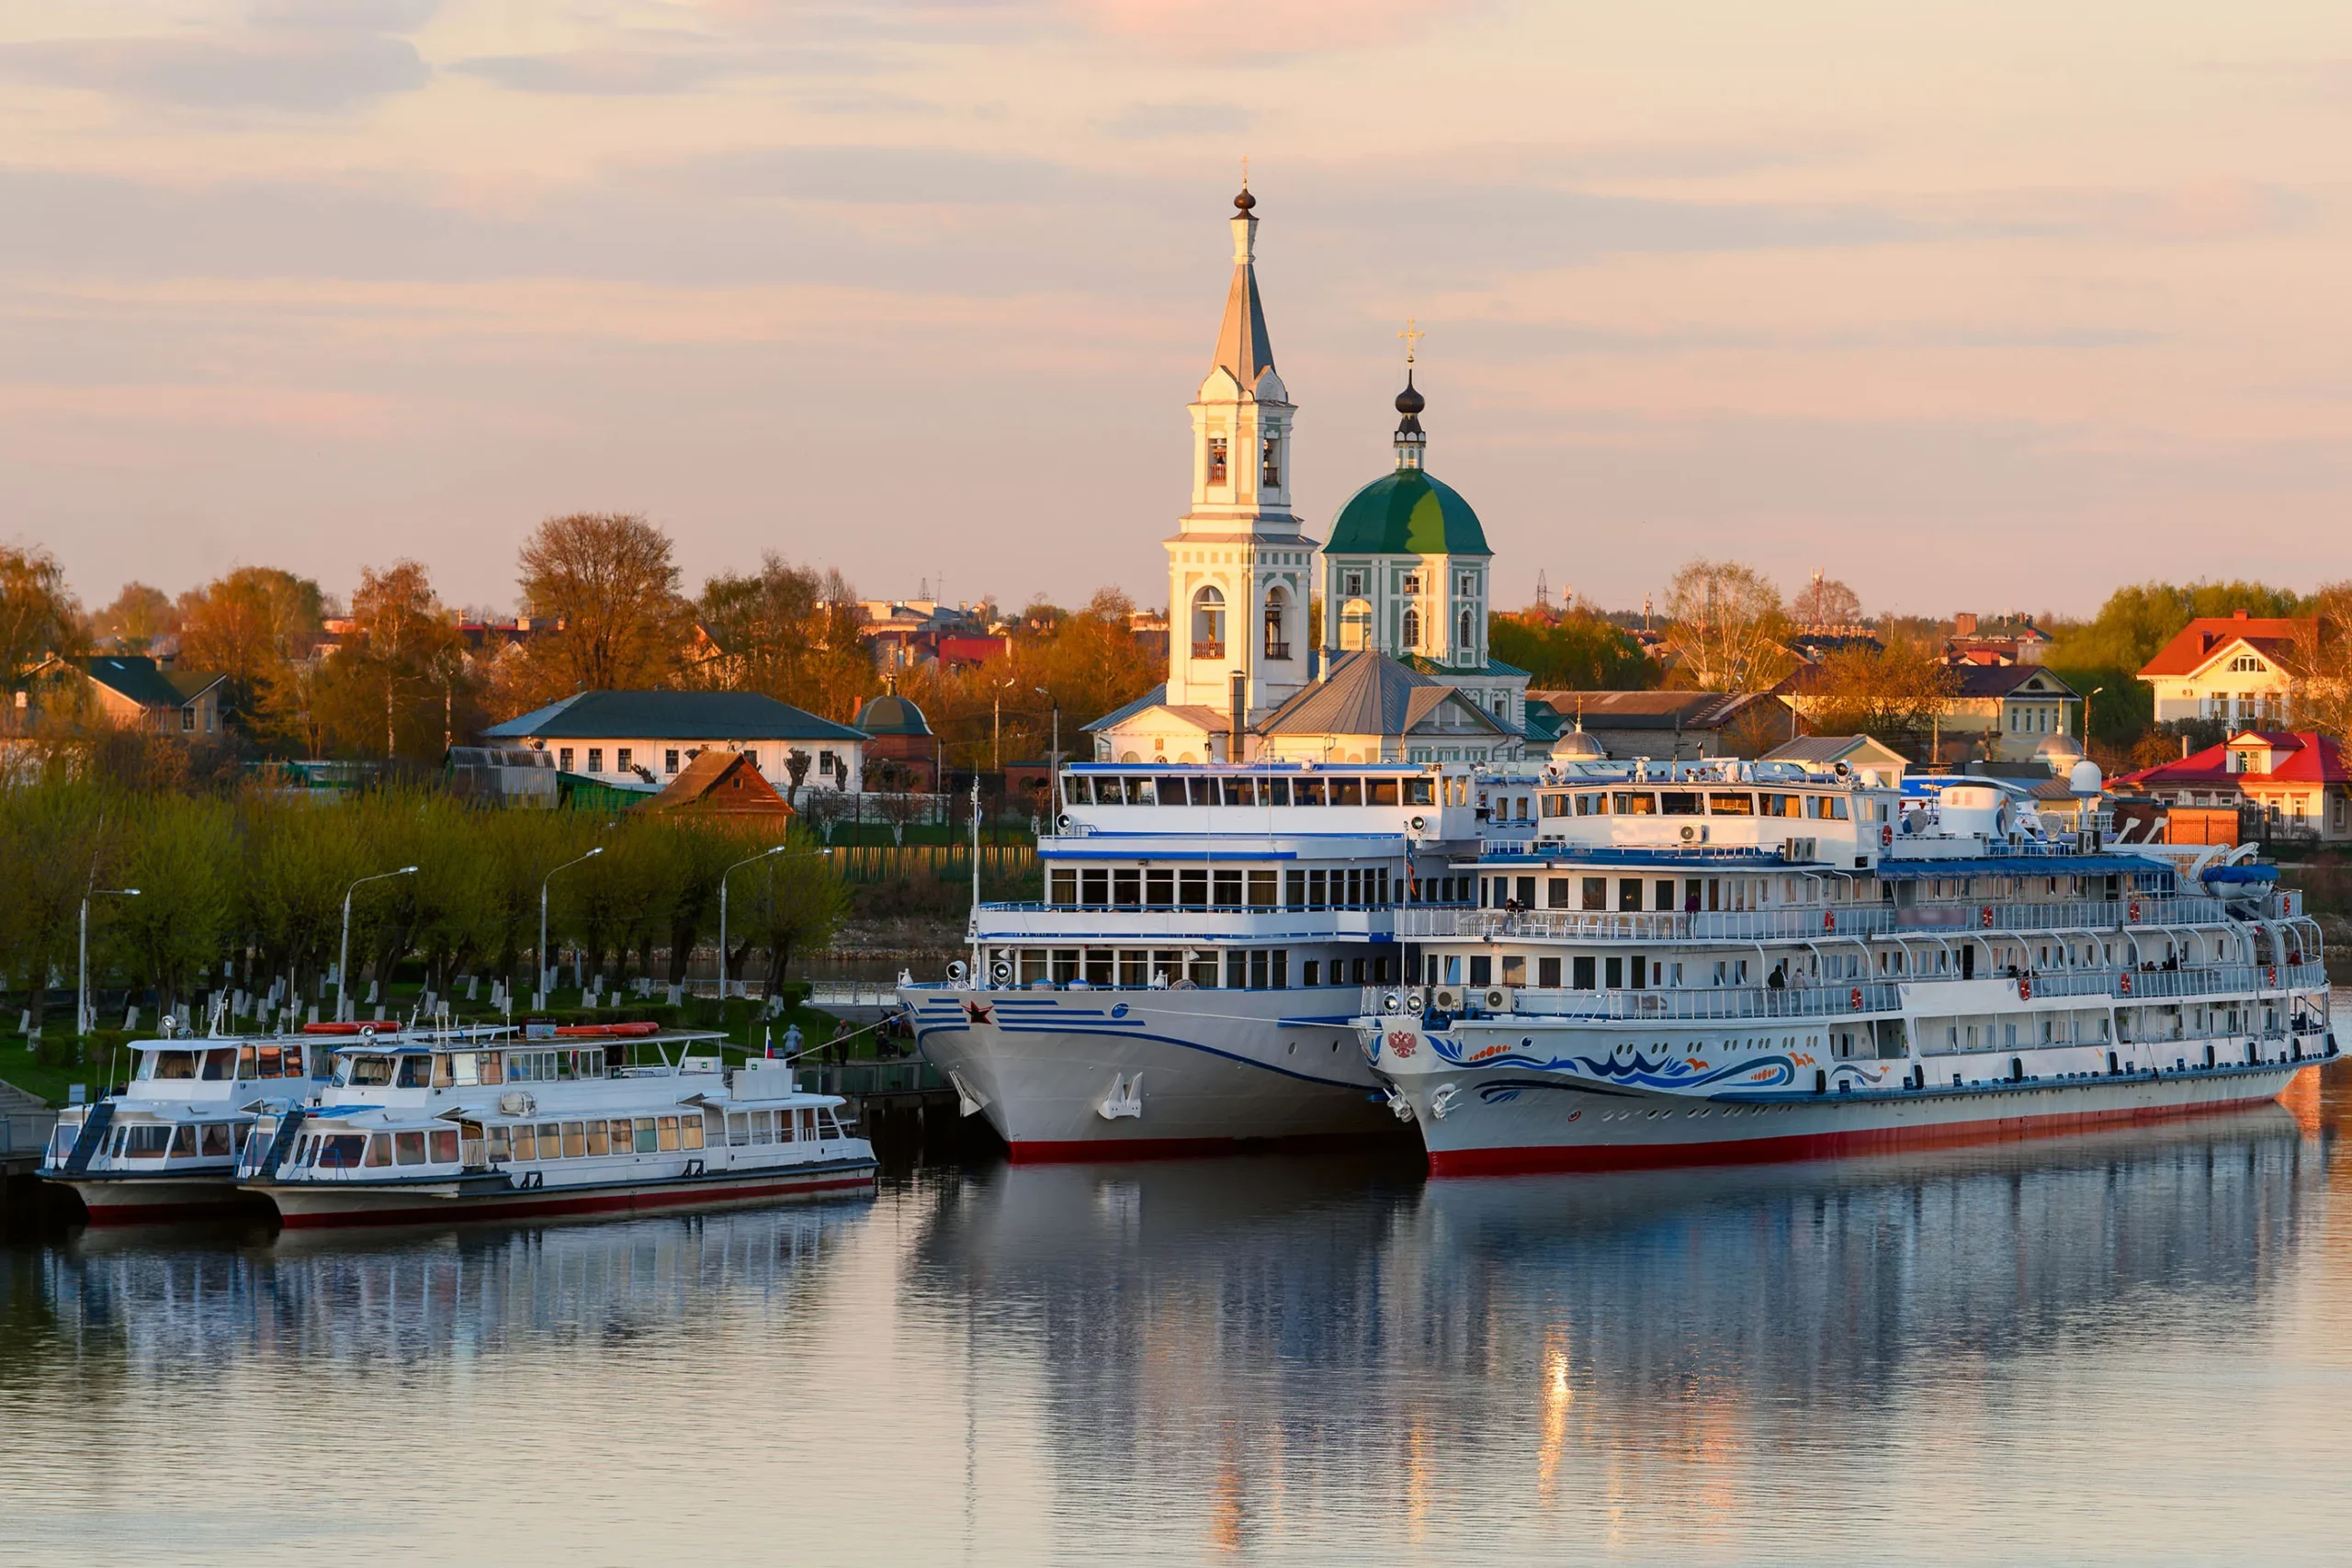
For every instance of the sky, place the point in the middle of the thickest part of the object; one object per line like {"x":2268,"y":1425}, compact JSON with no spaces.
{"x":1973,"y":306}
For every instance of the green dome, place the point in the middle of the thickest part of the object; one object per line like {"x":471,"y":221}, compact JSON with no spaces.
{"x":892,"y":714}
{"x":1408,"y":514}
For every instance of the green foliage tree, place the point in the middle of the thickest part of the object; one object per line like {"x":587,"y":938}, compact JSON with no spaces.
{"x":37,"y":614}
{"x":2138,"y":620}
{"x":60,"y":837}
{"x":182,"y":856}
{"x":1576,"y":652}
{"x":789,"y":632}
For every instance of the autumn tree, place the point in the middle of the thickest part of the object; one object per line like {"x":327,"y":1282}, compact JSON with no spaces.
{"x":249,"y":625}
{"x":609,"y":582}
{"x":139,"y":615}
{"x":1893,"y":693}
{"x":37,"y":614}
{"x":1728,"y":628}
{"x":788,"y":632}
{"x":396,"y":688}
{"x":2319,"y":666}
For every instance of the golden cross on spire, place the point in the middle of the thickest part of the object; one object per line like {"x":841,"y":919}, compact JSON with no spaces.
{"x":1412,"y":335}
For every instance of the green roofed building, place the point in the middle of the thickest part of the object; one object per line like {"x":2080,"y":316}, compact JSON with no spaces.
{"x":1406,"y":572}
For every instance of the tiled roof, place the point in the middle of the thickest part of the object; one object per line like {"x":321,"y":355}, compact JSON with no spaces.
{"x":1646,"y":710}
{"x":2198,"y":640}
{"x":671,"y":715}
{"x":138,"y":679}
{"x":1367,"y":693}
{"x":1152,"y":698}
{"x":2311,"y":757}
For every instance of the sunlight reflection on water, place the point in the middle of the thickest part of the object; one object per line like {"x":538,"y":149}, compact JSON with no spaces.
{"x":2122,"y":1347}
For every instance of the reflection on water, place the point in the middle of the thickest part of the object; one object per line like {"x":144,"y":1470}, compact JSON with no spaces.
{"x":2122,"y":1347}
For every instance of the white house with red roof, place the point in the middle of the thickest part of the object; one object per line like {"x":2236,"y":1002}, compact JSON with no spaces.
{"x":2298,"y":778}
{"x":2233,"y":668}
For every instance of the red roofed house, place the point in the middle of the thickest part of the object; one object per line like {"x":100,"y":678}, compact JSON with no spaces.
{"x":2298,"y":779}
{"x":2233,"y":668}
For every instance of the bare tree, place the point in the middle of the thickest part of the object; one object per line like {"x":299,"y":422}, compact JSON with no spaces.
{"x":1728,"y":626}
{"x":2319,"y":666}
{"x":1826,"y":602}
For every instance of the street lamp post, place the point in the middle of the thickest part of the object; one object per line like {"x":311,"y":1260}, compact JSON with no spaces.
{"x":539,"y":997}
{"x":83,"y":1022}
{"x":763,"y":855}
{"x":343,"y":963}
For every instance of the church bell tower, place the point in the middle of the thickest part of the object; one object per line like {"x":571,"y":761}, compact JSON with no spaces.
{"x":1239,"y":569}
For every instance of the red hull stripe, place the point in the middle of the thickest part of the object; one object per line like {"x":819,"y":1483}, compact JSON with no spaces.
{"x":1810,"y":1145}
{"x":588,"y":1203}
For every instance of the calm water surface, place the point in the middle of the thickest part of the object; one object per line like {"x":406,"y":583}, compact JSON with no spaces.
{"x":2105,"y":1350}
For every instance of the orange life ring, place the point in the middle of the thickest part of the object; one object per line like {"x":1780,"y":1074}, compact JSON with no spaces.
{"x":1829,"y":920}
{"x":1986,"y":920}
{"x":2025,"y":987}
{"x":1858,"y":998}
{"x":2126,"y":982}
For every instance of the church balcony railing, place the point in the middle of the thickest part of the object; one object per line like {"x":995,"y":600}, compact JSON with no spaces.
{"x":1208,"y":649}
{"x":1278,"y":651}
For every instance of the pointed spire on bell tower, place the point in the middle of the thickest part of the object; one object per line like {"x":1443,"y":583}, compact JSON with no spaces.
{"x":1243,"y":349}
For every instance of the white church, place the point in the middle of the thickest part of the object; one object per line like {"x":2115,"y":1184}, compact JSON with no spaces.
{"x":1403,"y":674}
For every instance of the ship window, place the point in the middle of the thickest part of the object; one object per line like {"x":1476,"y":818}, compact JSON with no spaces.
{"x":1098,"y":966}
{"x":1228,"y":889}
{"x":170,"y":1065}
{"x":1731,"y":805}
{"x":1065,"y":966}
{"x":219,"y":1065}
{"x":1065,"y":888}
{"x":647,"y":1136}
{"x":149,"y":1142}
{"x":1614,"y":972}
{"x":764,"y":1126}
{"x":1158,"y":888}
{"x":445,"y":1145}
{"x":1596,"y":892}
{"x":666,"y":1133}
{"x":215,"y":1140}
{"x":1625,"y":803}
{"x":416,"y":1072}
{"x":1666,"y":893}
{"x":1127,"y":888}
{"x":1204,"y":971}
{"x":1514,"y":970}
{"x":1778,"y":804}
{"x":1423,"y":792}
{"x":379,"y":1148}
{"x":442,"y":1074}
{"x":690,"y":1133}
{"x":576,"y":1140}
{"x":465,"y":1069}
{"x":1482,"y":970}
{"x":340,"y":1152}
{"x":408,"y":1148}
{"x":1382,"y":792}
{"x":184,"y":1139}
{"x":1347,"y":792}
{"x":1238,"y":792}
{"x":1548,"y":974}
{"x":1094,"y":888}
{"x":1258,"y":969}
{"x":1555,"y":893}
{"x":1318,"y":895}
{"x":600,"y":1141}
{"x":1170,"y":792}
{"x":1133,"y":964}
{"x":1192,"y":889}
{"x":1628,"y":893}
{"x":1237,"y":970}
{"x":1308,"y":792}
{"x":526,"y":1142}
{"x":1678,"y":803}
{"x":1262,"y":889}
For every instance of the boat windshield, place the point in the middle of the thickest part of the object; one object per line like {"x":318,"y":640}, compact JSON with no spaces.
{"x":366,"y":1071}
{"x":168,"y":1064}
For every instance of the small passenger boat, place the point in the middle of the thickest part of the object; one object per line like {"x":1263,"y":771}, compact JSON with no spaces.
{"x":430,"y":1127}
{"x":166,"y":1148}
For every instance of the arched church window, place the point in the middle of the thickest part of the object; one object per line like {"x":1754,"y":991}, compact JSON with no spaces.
{"x":1208,"y":624}
{"x":1277,"y":624}
{"x":1412,"y":637}
{"x":1216,"y":459}
{"x":1272,"y":477}
{"x":1355,"y":626}
{"x":1467,"y":642}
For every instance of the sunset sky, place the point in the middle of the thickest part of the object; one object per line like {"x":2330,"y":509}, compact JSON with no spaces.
{"x":1975,"y":306}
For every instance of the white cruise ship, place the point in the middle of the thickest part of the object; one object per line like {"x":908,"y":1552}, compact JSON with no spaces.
{"x":1192,"y":977}
{"x":1734,"y":961}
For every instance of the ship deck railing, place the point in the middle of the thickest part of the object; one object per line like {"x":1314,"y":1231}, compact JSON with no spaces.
{"x":1813,"y":922}
{"x":1829,"y":998}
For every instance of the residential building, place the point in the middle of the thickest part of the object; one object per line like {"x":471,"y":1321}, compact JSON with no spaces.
{"x":1667,"y":726}
{"x":2233,"y":668}
{"x":131,"y":691}
{"x":1859,"y":755}
{"x":631,"y":740}
{"x":2003,"y":640}
{"x":720,"y":783}
{"x":2296,"y":779}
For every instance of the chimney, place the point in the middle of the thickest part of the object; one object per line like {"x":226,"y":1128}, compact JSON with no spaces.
{"x":1241,"y":710}
{"x":1965,"y":623}
{"x":2237,"y":614}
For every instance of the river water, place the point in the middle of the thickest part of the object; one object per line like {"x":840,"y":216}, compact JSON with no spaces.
{"x":2123,"y":1349}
